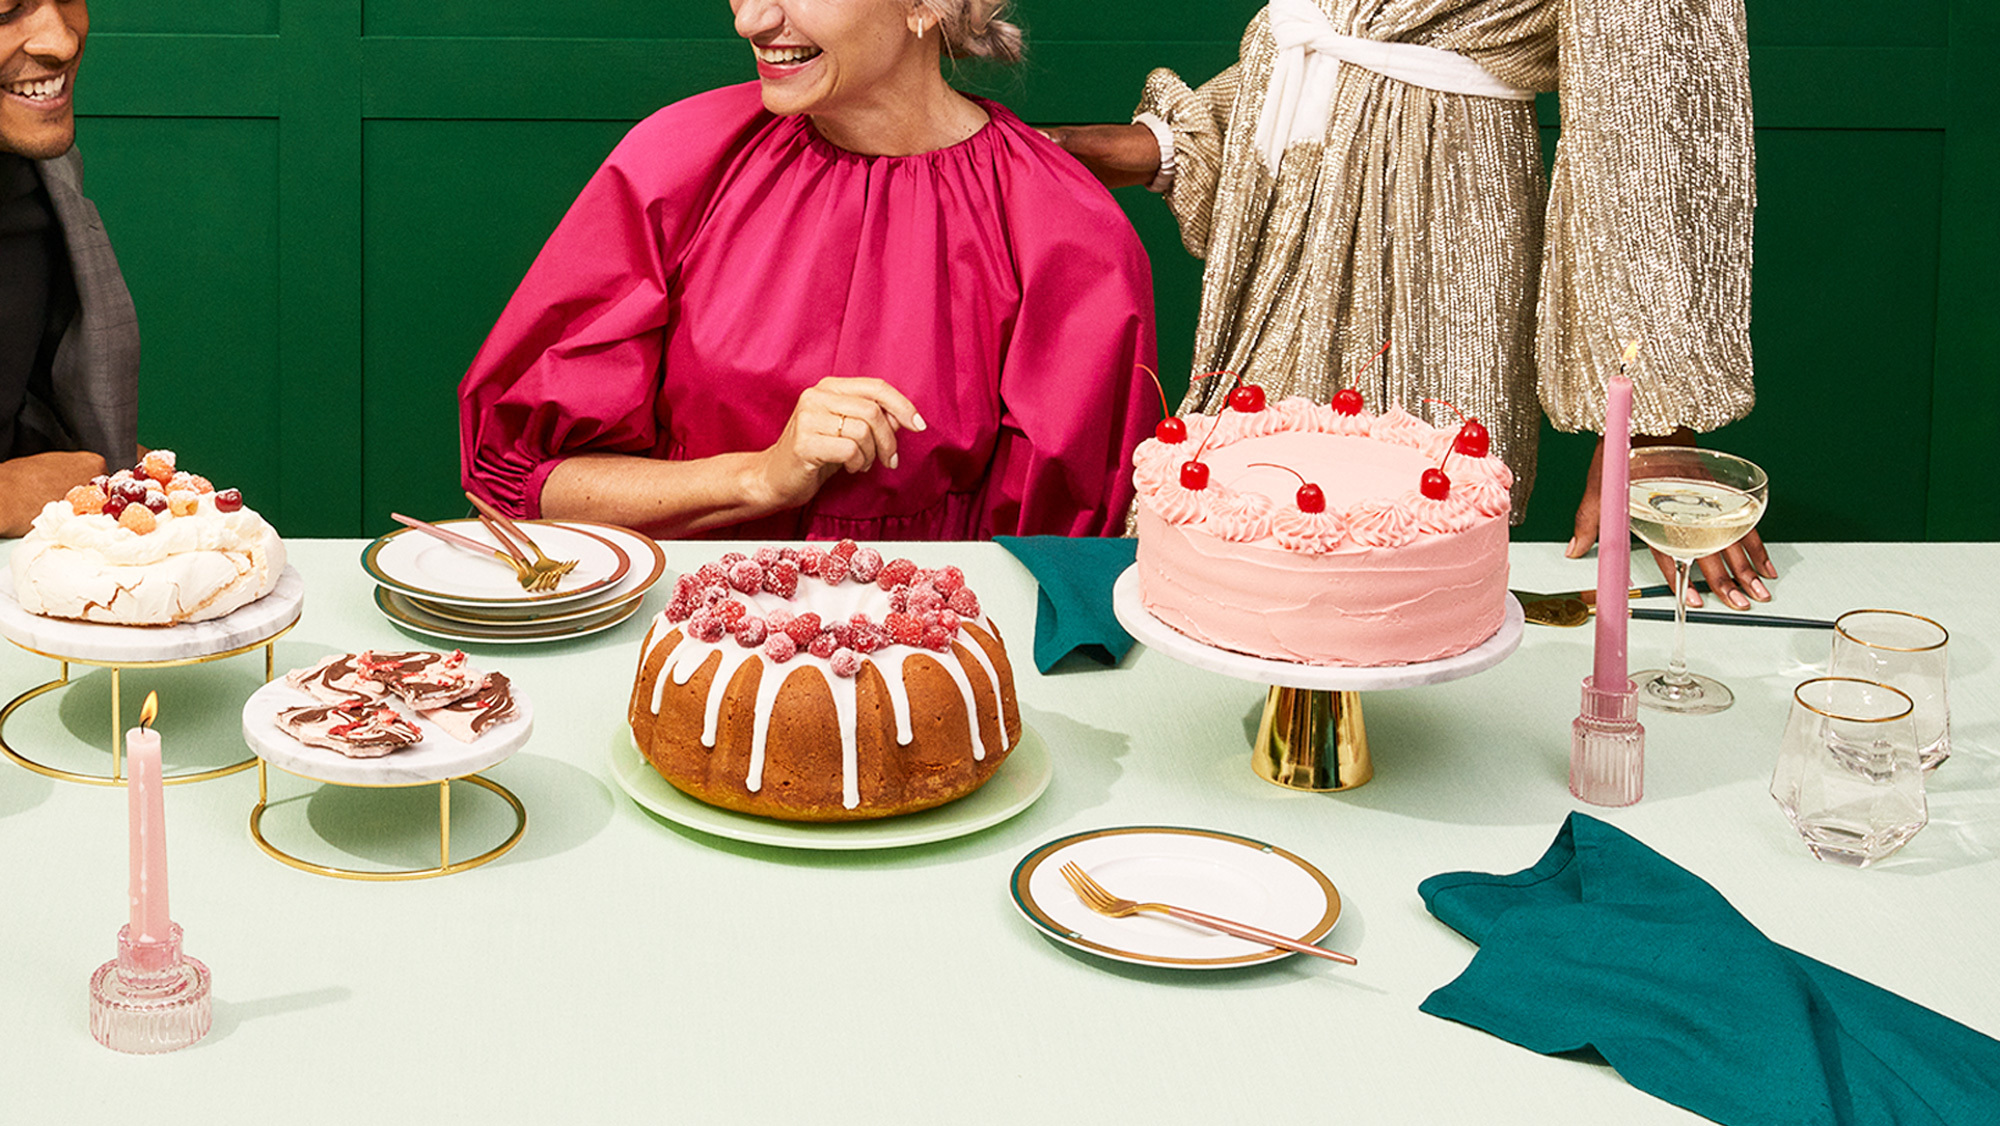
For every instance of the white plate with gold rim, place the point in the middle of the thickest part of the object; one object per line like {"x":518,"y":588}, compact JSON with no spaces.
{"x":413,"y":563}
{"x":649,"y":565}
{"x":1013,"y":788}
{"x":1221,"y":874}
{"x":402,"y":611}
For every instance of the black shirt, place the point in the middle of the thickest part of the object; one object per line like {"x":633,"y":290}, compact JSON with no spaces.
{"x":37,"y":300}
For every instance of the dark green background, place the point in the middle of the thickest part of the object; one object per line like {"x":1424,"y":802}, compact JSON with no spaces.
{"x":321,"y":206}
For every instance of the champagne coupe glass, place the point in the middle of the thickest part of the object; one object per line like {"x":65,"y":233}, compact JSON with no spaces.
{"x":1687,"y":503}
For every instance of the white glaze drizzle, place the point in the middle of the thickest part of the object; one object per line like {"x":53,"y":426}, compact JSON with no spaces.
{"x":689,"y":654}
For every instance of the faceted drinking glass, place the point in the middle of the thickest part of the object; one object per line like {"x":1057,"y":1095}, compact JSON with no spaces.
{"x":1907,"y":652}
{"x":1848,"y":775}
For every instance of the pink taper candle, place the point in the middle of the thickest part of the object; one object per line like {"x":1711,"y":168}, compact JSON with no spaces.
{"x":148,"y":810}
{"x":1614,"y":531}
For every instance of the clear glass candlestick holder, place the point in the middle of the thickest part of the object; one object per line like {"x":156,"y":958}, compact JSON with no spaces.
{"x":1607,"y":748}
{"x":151,"y":998}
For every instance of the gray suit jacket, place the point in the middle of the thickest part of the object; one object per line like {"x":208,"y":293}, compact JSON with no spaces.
{"x":96,"y":367}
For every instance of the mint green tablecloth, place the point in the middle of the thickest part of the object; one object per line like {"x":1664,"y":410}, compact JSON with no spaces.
{"x":1606,"y":944}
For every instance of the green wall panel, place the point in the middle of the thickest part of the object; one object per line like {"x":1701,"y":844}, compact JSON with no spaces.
{"x":225,"y":17}
{"x":455,"y":212}
{"x":572,"y":19}
{"x":198,"y":250}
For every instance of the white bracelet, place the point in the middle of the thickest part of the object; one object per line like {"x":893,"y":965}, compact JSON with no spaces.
{"x":1163,"y":134}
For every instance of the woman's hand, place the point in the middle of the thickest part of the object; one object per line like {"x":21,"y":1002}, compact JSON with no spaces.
{"x":1118,"y":155}
{"x":1732,"y":573}
{"x":836,"y":424}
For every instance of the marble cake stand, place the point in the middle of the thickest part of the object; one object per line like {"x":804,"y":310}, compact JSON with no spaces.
{"x":258,"y":625}
{"x":1311,"y":736}
{"x":438,"y":759}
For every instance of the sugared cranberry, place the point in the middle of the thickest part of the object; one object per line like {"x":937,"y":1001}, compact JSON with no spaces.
{"x":1194,"y":475}
{"x":1311,"y":499}
{"x":115,"y":504}
{"x":155,"y":502}
{"x":1248,"y":398}
{"x":228,"y":500}
{"x":1347,"y":401}
{"x":1472,"y":440}
{"x":130,"y":489}
{"x":1435,"y":484}
{"x":1171,"y":430}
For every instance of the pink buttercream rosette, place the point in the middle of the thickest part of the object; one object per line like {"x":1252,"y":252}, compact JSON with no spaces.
{"x":1239,"y":517}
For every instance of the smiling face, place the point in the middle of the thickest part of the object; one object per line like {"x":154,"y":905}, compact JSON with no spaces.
{"x":831,"y":56}
{"x":41,"y":42}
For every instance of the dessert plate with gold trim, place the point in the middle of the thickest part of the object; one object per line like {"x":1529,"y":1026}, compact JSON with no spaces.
{"x":407,"y":613}
{"x":1013,"y":788}
{"x":413,"y":563}
{"x":1218,"y":873}
{"x":649,"y":564}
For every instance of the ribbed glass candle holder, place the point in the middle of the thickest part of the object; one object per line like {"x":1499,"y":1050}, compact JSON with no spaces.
{"x":151,"y":998}
{"x":1607,"y":747}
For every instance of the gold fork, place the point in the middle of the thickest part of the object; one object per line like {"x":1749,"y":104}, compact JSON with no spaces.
{"x":547,"y":572}
{"x":521,"y":566}
{"x":1095,"y":897}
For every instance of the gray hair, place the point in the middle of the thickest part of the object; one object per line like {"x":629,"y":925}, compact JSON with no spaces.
{"x":974,"y":29}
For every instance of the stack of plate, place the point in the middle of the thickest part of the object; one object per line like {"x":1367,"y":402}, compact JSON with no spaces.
{"x":450,"y":592}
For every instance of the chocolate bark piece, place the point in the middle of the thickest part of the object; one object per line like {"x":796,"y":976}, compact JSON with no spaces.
{"x":357,"y":728}
{"x":469,"y":717}
{"x":423,"y":678}
{"x":335,"y":680}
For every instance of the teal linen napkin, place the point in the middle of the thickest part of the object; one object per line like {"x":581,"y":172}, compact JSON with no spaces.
{"x":1074,"y":614}
{"x":1608,"y":945}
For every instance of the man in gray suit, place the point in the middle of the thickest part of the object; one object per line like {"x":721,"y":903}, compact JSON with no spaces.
{"x":69,"y":339}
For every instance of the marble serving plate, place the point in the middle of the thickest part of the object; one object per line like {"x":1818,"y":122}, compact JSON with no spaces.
{"x":437,"y":757}
{"x":260,"y":621}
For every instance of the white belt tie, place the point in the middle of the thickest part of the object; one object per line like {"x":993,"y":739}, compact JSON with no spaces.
{"x":1300,"y":97}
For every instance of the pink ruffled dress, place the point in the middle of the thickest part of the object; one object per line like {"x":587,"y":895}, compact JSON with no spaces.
{"x":724,"y":259}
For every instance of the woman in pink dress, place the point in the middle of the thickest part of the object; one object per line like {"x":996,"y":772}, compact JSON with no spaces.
{"x":842,"y":301}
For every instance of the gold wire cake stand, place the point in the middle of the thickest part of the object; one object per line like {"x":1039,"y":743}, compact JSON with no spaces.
{"x":256,"y":626}
{"x":439,"y":760}
{"x":445,"y":865}
{"x":1311,"y":736}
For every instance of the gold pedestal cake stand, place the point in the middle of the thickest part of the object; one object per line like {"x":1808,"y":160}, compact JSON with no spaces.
{"x":120,"y":648}
{"x":1311,"y":736}
{"x":438,"y":760}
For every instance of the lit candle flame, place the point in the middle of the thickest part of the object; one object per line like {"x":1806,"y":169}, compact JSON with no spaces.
{"x":151,"y":710}
{"x":1631,"y":353}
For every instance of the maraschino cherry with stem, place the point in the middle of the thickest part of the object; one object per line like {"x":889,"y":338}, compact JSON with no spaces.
{"x":1171,"y":429}
{"x":1472,"y":441}
{"x":1347,"y":400}
{"x":1194,"y":471}
{"x":1310,"y":497}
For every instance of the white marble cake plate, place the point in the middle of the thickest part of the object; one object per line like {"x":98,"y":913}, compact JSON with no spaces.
{"x":436,"y":758}
{"x":1156,"y":634}
{"x":250,"y":625}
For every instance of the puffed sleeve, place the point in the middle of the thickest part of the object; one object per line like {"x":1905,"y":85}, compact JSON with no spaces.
{"x":573,"y":365}
{"x":1649,"y":216}
{"x":1075,"y":394}
{"x":1199,"y":117}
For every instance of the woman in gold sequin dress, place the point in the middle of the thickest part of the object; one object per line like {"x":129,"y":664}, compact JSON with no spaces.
{"x":1372,"y":171}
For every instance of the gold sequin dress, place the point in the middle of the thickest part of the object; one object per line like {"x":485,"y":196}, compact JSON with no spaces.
{"x":1424,"y":218}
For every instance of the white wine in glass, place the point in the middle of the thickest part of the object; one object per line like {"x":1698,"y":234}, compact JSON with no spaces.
{"x":1687,"y":503}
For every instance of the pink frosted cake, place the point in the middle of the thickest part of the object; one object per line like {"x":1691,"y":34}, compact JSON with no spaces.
{"x":1323,"y":535}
